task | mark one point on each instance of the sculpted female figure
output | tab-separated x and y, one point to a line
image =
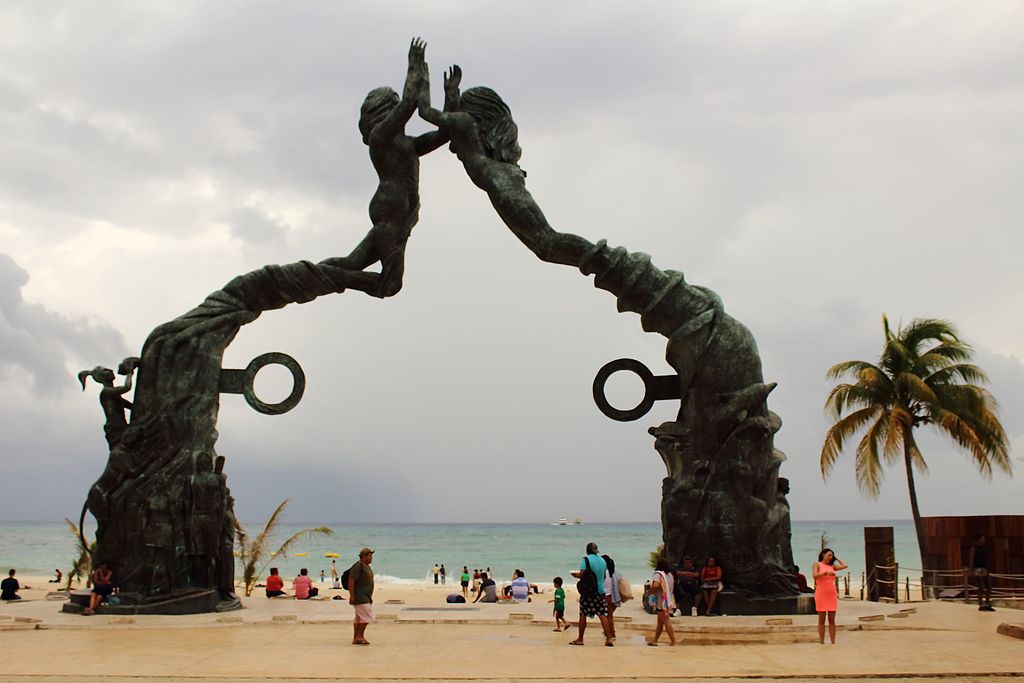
485	139
112	397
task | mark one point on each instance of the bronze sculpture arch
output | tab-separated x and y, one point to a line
164	514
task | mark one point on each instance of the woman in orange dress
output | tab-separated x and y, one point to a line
826	595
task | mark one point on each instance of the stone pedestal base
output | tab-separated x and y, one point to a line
192	602
734	605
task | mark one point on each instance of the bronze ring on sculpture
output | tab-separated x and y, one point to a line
656	388
241	382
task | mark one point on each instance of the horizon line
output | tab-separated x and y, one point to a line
478	523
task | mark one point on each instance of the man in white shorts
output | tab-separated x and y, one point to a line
360	595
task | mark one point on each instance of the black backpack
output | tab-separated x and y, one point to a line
345	576
587	585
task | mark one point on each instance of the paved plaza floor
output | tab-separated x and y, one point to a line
287	640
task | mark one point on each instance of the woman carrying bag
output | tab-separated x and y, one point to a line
662	599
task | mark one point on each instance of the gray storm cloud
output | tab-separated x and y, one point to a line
816	165
40	343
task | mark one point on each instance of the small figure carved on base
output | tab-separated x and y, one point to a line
206	506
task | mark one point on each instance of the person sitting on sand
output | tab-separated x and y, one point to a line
303	586
58	578
102	587
275	584
9	587
520	587
488	589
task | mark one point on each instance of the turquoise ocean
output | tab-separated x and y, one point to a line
407	552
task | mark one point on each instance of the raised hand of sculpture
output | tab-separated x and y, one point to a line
111	397
394	209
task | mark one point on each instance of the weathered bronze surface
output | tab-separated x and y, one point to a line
163	509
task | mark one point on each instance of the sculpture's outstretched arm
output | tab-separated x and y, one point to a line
428	142
427	112
394	123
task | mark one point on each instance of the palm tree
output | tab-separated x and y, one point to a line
82	565
655	555
923	377
253	554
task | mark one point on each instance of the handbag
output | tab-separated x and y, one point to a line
625	590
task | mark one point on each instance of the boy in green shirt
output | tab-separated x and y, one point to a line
559	605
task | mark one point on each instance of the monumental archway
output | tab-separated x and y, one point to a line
163	510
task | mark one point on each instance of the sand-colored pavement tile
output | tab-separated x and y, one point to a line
940	640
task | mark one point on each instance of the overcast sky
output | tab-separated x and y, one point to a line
816	164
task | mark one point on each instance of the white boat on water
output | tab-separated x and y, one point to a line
562	521
578	521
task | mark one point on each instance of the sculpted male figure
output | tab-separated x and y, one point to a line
207	505
158	530
394	209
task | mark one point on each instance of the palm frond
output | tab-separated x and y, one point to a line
921	330
900	424
896	357
81	566
846	396
868	465
292	540
839	432
242	539
961	431
916	458
913	389
850	367
259	545
962	399
875	380
964	372
946	353
253	553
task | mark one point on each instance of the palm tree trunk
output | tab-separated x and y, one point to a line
908	445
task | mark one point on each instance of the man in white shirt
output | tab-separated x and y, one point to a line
520	587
